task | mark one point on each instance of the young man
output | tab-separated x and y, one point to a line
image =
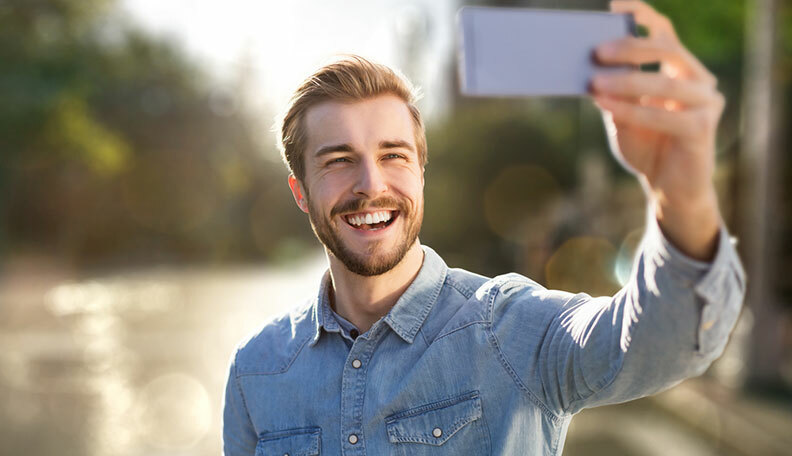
398	354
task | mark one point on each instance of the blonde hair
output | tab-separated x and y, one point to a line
352	78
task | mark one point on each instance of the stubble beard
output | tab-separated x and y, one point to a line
374	261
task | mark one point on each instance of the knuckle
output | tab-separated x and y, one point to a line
703	122
711	79
668	85
720	100
628	85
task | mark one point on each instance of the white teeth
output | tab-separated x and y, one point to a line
370	218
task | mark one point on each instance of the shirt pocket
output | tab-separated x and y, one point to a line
451	426
291	442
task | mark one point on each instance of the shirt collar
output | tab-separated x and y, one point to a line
411	309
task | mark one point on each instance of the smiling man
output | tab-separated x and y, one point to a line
400	354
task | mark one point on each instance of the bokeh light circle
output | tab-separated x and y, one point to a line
518	193
583	264
174	412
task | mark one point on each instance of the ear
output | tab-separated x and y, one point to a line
297	192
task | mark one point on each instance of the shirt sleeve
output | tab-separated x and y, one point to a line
669	322
239	437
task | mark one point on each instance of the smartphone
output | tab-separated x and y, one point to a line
534	52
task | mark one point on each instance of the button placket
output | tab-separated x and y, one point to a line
353	387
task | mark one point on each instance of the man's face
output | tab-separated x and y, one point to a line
363	186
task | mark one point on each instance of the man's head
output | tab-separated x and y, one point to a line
354	142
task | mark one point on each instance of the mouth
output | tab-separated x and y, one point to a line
371	221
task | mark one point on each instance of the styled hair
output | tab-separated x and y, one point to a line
349	79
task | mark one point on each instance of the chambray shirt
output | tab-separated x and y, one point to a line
468	365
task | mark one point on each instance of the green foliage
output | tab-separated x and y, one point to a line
115	150
78	136
713	31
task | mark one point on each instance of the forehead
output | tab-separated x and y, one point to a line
358	123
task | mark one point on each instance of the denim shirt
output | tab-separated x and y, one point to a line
468	365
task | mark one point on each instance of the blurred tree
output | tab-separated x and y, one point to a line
115	148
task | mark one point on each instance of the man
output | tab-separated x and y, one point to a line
398	354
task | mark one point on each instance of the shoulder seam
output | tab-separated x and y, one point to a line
554	417
239	387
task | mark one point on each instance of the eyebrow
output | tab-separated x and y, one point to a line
333	148
396	144
387	144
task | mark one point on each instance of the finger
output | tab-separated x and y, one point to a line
658	24
637	51
639	84
682	124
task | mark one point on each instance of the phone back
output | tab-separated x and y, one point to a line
523	51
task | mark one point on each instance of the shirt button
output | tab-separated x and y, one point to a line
356	364
353	439
437	432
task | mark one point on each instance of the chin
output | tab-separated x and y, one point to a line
372	265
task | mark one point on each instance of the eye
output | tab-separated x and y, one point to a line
338	160
394	155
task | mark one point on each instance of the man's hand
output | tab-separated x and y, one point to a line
664	125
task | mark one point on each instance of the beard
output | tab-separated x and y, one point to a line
373	261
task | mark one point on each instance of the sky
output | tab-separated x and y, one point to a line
276	44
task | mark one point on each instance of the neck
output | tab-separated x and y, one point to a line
364	300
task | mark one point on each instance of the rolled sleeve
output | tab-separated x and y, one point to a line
669	322
720	284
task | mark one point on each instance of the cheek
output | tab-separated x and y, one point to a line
328	185
410	186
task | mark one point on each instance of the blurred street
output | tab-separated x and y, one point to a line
134	363
146	225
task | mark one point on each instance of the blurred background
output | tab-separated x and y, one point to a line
147	226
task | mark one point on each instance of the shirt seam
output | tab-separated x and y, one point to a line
460	328
504	360
518	381
283	369
241	391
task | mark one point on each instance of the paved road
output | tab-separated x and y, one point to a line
134	364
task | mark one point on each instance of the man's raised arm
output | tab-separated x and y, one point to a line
663	126
673	317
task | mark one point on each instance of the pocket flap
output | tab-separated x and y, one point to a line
435	423
294	442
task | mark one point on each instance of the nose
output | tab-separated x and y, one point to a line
371	180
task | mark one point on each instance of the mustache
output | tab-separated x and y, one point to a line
362	204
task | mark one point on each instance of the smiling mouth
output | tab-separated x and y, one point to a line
371	221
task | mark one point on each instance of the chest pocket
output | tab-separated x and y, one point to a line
452	426
291	442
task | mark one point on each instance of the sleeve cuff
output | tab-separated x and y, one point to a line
720	283
705	276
